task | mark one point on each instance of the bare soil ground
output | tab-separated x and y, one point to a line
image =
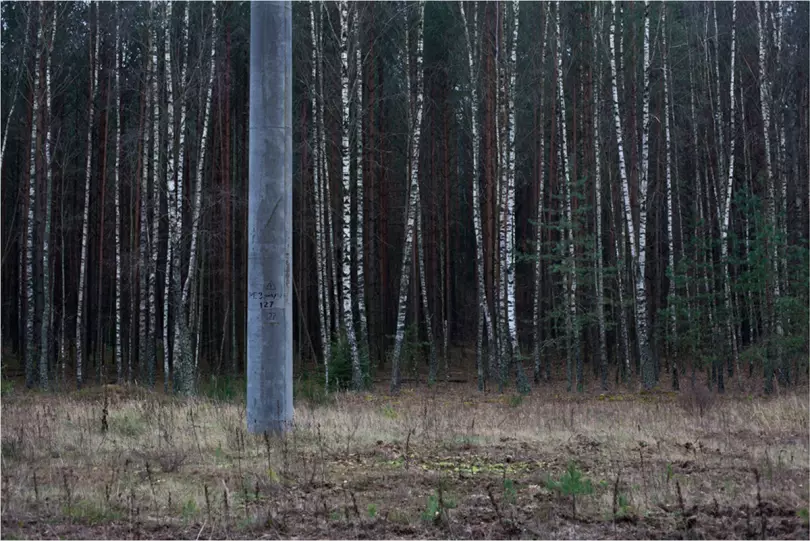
116	462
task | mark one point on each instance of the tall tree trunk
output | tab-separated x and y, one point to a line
726	205
13	96
347	312
171	196
572	323
637	249
317	157
671	297
182	348
538	238
360	277
116	190
46	237
31	357
414	125
154	243
186	380
772	293
483	305
143	233
86	213
600	288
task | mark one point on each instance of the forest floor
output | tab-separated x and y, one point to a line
117	462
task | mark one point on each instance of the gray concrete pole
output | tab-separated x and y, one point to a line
269	319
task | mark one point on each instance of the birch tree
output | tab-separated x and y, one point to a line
538	228
726	205
19	77
46	238
182	351
86	212
186	380
483	306
155	228
317	157
667	168
571	313
116	191
30	340
360	279
600	288
171	194
637	249
414	123
348	316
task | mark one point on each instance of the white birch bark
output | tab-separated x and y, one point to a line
348	316
181	350
511	129
770	199
46	239
636	249
316	170
86	213
143	233
726	205
187	379
327	234
667	167
30	341
154	244
571	318
538	235
116	189
483	306
600	288
171	194
414	124
360	277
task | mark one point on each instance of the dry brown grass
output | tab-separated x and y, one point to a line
367	465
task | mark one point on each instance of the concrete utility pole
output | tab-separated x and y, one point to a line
269	320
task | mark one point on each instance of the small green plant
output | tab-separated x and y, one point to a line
88	512
224	388
6	387
127	424
389	412
372	510
804	514
437	505
515	400
334	515
571	484
189	509
509	491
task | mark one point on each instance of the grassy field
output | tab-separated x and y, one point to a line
430	463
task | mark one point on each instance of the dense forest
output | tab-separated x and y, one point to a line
509	192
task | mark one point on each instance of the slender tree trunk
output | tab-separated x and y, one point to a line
186	380
360	277
31	357
772	289
347	312
143	233
181	354
13	94
414	124
726	206
46	238
86	213
671	297
571	317
116	190
483	305
538	238
317	157
637	249
171	197
600	288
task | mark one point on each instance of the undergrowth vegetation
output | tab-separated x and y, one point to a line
121	462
